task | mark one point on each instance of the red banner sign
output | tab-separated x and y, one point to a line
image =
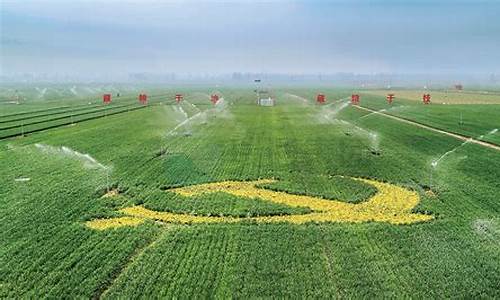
390	97
106	98
143	98
355	99
214	98
426	98
321	98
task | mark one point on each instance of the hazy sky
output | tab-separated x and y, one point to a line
360	36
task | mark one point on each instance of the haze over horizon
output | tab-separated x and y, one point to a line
212	37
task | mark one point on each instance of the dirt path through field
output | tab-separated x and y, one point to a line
454	135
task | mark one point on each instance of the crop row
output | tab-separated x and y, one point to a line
58	116
49	121
65	120
65	108
50	113
22	113
49	252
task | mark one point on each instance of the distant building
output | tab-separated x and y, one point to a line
266	102
264	98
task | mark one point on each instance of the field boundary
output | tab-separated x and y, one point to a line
434	129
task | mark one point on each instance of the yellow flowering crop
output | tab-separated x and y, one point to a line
391	204
102	224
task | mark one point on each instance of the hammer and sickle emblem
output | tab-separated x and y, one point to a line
391	204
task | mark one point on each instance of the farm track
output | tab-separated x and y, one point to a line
457	136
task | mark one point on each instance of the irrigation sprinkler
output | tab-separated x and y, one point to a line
374	147
461	119
107	180
433	166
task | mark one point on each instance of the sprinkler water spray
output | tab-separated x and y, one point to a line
107	180
374	148
433	166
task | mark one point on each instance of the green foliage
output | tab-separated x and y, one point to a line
326	187
218	204
47	252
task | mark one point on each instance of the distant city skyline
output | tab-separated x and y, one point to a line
114	38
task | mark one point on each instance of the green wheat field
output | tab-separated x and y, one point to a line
66	160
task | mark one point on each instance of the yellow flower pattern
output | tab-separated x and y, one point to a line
391	204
